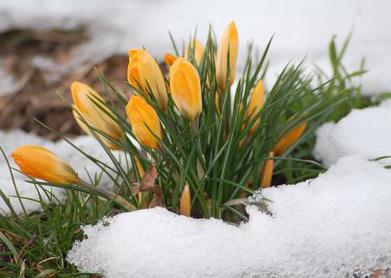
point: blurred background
(46, 44)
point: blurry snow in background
(302, 29)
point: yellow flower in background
(185, 202)
(89, 105)
(218, 102)
(139, 167)
(194, 46)
(267, 172)
(144, 121)
(169, 59)
(185, 88)
(38, 162)
(289, 139)
(255, 104)
(144, 72)
(229, 43)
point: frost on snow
(13, 139)
(332, 226)
(366, 131)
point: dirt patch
(38, 95)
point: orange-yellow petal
(289, 139)
(194, 48)
(169, 59)
(90, 106)
(255, 104)
(144, 72)
(40, 163)
(185, 88)
(217, 103)
(144, 121)
(185, 202)
(134, 77)
(229, 45)
(267, 172)
(139, 167)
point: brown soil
(38, 96)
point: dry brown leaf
(148, 184)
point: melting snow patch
(366, 132)
(336, 225)
(13, 139)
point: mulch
(40, 97)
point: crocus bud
(89, 105)
(185, 202)
(255, 105)
(194, 48)
(139, 167)
(144, 72)
(40, 163)
(142, 196)
(217, 103)
(169, 59)
(229, 43)
(289, 139)
(185, 88)
(267, 172)
(144, 121)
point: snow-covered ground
(302, 29)
(330, 226)
(366, 131)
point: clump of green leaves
(217, 155)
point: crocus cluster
(151, 94)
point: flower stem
(109, 195)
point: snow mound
(13, 139)
(366, 131)
(336, 225)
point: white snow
(366, 131)
(301, 30)
(9, 141)
(331, 226)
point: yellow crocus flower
(185, 202)
(229, 43)
(40, 163)
(255, 105)
(144, 72)
(185, 88)
(267, 172)
(90, 106)
(169, 59)
(144, 121)
(195, 47)
(289, 139)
